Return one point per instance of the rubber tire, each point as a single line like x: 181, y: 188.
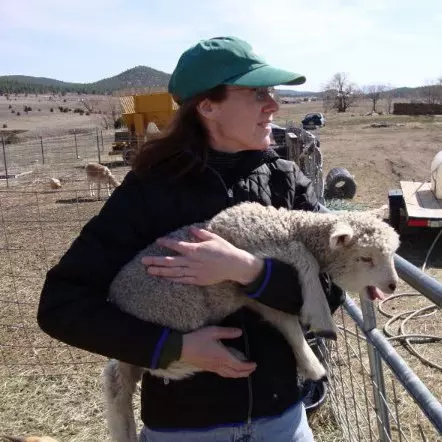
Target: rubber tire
x: 340, y: 184
x: 127, y: 156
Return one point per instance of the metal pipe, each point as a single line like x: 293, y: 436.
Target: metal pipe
x: 425, y: 284
x: 376, y: 371
x: 430, y: 406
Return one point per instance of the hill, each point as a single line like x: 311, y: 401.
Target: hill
x: 137, y: 77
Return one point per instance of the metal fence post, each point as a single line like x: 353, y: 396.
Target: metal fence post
x: 42, y: 150
x: 376, y: 372
x: 6, y: 164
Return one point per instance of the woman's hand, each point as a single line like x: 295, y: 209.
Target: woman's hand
x: 203, y: 349
x: 210, y: 260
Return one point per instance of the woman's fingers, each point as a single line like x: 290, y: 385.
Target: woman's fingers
x: 202, y: 235
x: 181, y: 247
x: 169, y: 261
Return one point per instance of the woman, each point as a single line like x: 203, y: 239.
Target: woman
x: 215, y: 154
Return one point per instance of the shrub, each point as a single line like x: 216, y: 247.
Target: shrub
x: 51, y: 109
x: 5, y: 125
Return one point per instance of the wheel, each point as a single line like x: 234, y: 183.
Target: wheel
x: 128, y: 155
x: 340, y: 184
x: 397, y: 213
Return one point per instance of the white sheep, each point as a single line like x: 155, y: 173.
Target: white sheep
x: 99, y: 174
x: 355, y: 248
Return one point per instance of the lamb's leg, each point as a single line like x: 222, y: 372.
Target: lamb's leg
x: 91, y: 189
x: 315, y: 311
x: 308, y: 363
x: 98, y: 189
x: 120, y: 381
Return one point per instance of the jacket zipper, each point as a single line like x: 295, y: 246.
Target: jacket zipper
x: 244, y: 331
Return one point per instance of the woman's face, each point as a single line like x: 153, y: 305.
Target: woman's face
x: 242, y: 120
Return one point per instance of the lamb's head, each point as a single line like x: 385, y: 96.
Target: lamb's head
x: 111, y: 179
x: 362, y: 250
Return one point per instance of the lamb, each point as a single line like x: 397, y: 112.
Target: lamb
x: 98, y: 174
x: 356, y: 249
x: 54, y: 183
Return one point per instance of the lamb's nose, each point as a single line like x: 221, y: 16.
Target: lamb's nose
x: 392, y: 286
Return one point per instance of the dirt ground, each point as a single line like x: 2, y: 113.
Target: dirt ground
x: 42, y: 122
x: 49, y: 388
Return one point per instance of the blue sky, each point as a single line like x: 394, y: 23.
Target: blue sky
x: 389, y: 42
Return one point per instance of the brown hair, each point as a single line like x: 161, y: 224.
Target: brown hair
x: 186, y: 132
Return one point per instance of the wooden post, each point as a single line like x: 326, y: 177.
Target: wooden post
x: 76, y: 146
x: 42, y: 150
x: 98, y: 147
x: 293, y: 148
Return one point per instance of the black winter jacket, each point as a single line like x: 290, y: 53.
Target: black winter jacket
x: 74, y: 307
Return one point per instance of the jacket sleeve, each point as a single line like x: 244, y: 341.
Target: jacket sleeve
x: 278, y: 287
x: 73, y: 305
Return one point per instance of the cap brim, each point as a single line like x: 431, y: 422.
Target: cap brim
x: 266, y: 76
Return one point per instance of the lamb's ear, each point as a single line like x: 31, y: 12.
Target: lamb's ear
x: 340, y: 236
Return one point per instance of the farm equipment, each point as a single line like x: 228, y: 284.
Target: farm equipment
x: 418, y: 204
x: 303, y: 147
x: 142, y: 116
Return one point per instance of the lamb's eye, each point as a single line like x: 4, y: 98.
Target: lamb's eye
x: 366, y: 259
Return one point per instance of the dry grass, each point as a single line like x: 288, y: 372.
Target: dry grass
x: 49, y: 388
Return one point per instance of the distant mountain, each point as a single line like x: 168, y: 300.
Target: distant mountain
x: 294, y: 93
x: 137, y: 77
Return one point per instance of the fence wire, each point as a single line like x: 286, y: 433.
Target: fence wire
x: 37, y: 225
x: 352, y: 388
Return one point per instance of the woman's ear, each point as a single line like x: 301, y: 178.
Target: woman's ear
x: 207, y: 109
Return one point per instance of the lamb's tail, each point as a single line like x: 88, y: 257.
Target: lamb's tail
x: 120, y: 381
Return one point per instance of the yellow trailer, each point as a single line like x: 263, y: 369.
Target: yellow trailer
x: 140, y: 113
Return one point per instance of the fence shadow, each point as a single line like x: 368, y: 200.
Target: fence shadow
x: 79, y: 200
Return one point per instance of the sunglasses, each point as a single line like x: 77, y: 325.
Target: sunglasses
x: 261, y: 93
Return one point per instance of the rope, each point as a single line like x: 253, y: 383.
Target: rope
x: 408, y: 339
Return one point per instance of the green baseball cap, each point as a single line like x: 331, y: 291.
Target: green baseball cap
x: 224, y: 60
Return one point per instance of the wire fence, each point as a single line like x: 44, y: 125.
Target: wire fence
x: 373, y: 394
x: 370, y: 400
x: 37, y: 159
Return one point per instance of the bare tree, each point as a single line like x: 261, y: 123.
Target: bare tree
x: 90, y: 104
x: 431, y: 93
x: 374, y: 92
x: 389, y: 96
x: 340, y: 93
x: 111, y: 112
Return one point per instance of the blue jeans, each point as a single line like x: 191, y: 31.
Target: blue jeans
x: 291, y: 426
